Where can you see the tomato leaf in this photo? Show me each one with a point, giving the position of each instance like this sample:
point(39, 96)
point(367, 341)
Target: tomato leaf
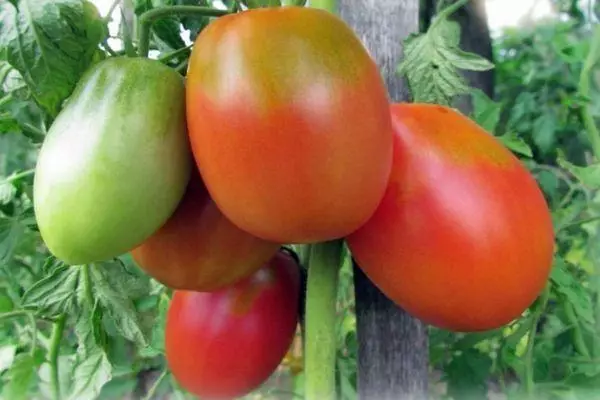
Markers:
point(467, 373)
point(431, 61)
point(516, 144)
point(567, 285)
point(589, 175)
point(90, 374)
point(51, 43)
point(486, 112)
point(11, 232)
point(55, 293)
point(20, 378)
point(113, 285)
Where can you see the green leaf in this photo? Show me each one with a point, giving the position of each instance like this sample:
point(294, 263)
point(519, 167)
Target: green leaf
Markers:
point(544, 128)
point(51, 43)
point(516, 144)
point(589, 175)
point(90, 375)
point(431, 61)
point(11, 232)
point(566, 284)
point(113, 287)
point(20, 378)
point(54, 294)
point(486, 112)
point(467, 374)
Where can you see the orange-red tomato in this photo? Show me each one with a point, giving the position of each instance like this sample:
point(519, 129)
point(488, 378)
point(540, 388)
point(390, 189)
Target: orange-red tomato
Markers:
point(463, 238)
point(199, 249)
point(226, 343)
point(289, 123)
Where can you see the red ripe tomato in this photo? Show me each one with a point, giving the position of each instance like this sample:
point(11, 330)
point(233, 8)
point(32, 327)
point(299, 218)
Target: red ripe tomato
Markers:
point(463, 238)
point(289, 123)
point(226, 343)
point(199, 249)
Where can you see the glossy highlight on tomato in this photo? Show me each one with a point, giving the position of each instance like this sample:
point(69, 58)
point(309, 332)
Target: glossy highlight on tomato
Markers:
point(115, 162)
point(463, 238)
point(289, 123)
point(226, 343)
point(199, 248)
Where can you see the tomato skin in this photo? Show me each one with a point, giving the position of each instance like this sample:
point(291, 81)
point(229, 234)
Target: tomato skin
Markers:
point(199, 249)
point(463, 238)
point(226, 343)
point(289, 123)
point(115, 162)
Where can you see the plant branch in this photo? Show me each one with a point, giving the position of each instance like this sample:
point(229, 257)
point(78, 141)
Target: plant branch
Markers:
point(18, 176)
point(447, 12)
point(111, 9)
point(155, 385)
point(149, 17)
point(168, 56)
point(55, 339)
point(323, 276)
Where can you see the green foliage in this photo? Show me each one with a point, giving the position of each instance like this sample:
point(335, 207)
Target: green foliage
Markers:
point(432, 62)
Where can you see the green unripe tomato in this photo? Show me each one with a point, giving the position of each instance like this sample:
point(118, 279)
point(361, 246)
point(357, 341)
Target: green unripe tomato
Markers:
point(115, 162)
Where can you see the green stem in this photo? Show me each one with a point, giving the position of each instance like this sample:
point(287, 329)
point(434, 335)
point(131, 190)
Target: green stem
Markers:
point(321, 295)
point(578, 340)
point(328, 5)
point(127, 33)
point(584, 90)
point(168, 56)
point(111, 9)
point(18, 176)
point(529, 381)
point(155, 386)
point(55, 339)
point(87, 284)
point(149, 17)
point(447, 12)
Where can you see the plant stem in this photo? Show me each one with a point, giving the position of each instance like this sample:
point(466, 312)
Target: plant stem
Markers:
point(529, 381)
point(155, 385)
point(55, 339)
point(127, 31)
point(584, 90)
point(578, 340)
point(321, 295)
point(111, 9)
point(18, 176)
point(147, 19)
point(448, 11)
point(166, 57)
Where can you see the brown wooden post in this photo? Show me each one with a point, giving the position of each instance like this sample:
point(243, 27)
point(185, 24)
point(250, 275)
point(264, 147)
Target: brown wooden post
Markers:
point(393, 354)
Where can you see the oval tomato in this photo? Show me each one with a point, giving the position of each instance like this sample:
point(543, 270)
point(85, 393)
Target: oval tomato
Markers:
point(289, 123)
point(115, 162)
point(463, 238)
point(199, 249)
point(226, 343)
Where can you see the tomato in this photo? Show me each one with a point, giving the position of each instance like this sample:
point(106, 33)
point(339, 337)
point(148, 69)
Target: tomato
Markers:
point(289, 123)
point(199, 249)
point(226, 343)
point(463, 238)
point(115, 163)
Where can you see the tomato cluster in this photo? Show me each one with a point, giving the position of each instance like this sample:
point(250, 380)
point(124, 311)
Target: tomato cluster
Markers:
point(283, 133)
